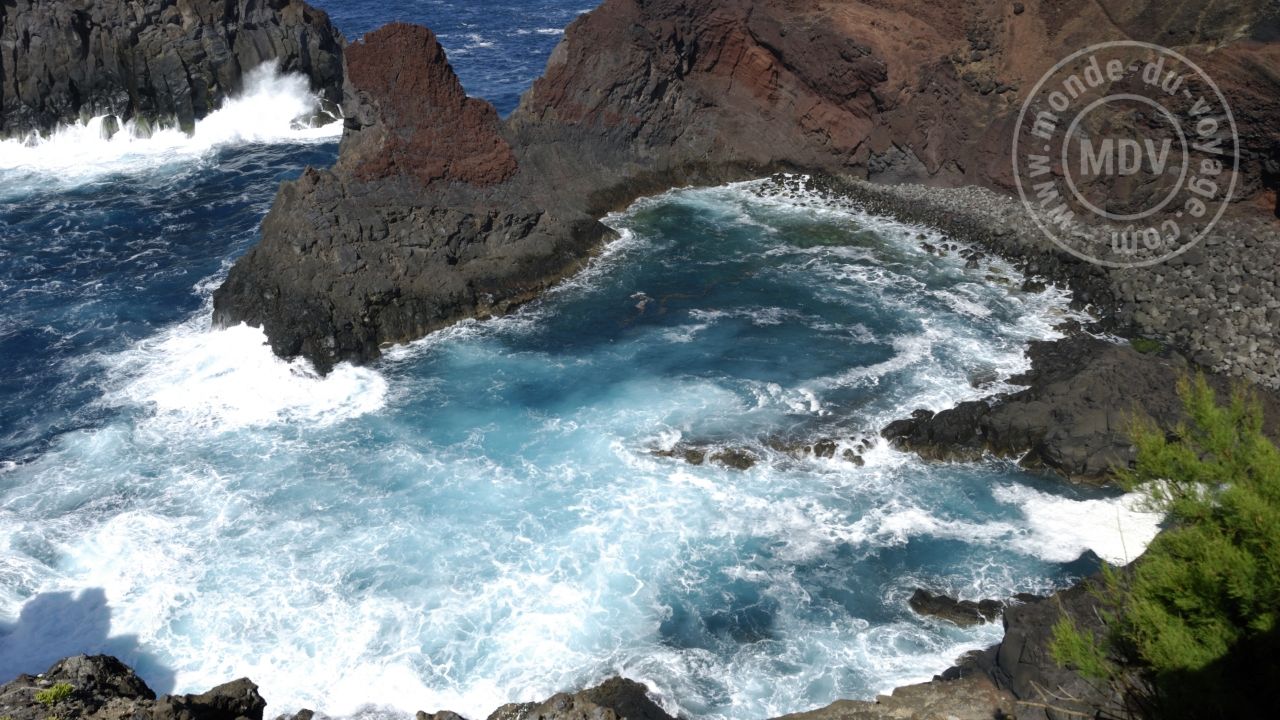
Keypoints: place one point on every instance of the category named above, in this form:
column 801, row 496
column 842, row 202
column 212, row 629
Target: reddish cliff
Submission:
column 402, row 80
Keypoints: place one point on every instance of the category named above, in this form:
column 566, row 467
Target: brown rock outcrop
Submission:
column 400, row 75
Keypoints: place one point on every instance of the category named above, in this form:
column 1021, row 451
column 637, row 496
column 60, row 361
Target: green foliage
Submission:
column 1210, row 584
column 54, row 694
column 1075, row 648
column 1213, row 579
column 1147, row 346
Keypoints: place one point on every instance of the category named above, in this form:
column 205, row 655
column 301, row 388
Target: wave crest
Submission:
column 273, row 108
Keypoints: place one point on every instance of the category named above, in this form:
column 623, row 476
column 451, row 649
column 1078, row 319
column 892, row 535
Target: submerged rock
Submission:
column 152, row 60
column 741, row 458
column 735, row 458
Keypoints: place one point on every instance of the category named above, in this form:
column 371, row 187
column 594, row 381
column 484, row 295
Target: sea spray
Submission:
column 272, row 108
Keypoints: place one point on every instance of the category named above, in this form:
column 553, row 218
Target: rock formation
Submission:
column 62, row 61
column 960, row 612
column 103, row 688
column 1075, row 417
column 405, row 234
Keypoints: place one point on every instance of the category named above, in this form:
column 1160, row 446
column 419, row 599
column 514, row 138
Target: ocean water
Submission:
column 493, row 513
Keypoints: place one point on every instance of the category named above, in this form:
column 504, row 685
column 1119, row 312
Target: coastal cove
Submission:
column 698, row 380
column 488, row 450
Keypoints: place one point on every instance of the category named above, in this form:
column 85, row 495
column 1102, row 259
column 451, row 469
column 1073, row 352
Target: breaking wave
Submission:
column 273, row 108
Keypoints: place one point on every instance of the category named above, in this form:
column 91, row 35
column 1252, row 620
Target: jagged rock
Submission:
column 615, row 699
column 236, row 700
column 103, row 688
column 156, row 60
column 964, row 613
column 1076, row 416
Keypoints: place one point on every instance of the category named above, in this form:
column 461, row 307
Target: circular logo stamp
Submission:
column 1126, row 154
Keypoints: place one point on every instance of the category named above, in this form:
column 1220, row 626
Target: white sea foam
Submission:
column 193, row 378
column 1059, row 529
column 272, row 108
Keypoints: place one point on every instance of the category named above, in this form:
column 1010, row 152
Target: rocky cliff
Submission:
column 62, row 61
column 437, row 210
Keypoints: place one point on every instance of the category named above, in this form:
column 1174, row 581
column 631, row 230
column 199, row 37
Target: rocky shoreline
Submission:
column 1015, row 679
column 102, row 688
column 1085, row 390
column 439, row 210
column 1219, row 303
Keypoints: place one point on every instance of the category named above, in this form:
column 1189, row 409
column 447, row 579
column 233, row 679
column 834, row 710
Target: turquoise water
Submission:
column 486, row 515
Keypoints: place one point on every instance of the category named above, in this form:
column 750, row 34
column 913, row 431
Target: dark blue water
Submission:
column 493, row 513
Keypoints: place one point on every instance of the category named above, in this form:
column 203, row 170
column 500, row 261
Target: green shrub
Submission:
column 1199, row 613
column 54, row 694
column 1147, row 346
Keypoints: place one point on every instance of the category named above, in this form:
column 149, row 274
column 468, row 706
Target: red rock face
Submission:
column 918, row 90
column 427, row 126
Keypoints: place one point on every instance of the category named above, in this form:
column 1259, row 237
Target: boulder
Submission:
column 615, row 699
column 964, row 613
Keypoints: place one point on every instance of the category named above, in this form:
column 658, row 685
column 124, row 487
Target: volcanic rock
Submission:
column 964, row 613
column 616, row 699
column 161, row 61
column 423, row 222
column 100, row 687
column 1076, row 416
